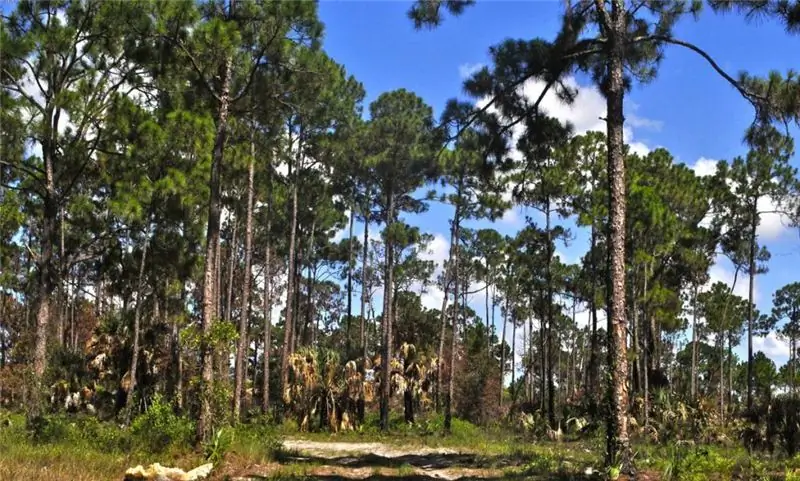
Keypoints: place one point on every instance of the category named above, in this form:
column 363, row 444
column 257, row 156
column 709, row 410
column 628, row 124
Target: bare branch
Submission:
column 755, row 100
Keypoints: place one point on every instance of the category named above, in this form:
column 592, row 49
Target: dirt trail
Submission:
column 358, row 461
column 324, row 449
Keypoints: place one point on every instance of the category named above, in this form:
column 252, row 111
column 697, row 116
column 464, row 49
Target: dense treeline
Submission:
column 176, row 177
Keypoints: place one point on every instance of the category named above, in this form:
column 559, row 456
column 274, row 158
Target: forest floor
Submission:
column 313, row 459
column 77, row 449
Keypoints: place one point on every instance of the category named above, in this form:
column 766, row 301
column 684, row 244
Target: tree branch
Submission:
column 755, row 100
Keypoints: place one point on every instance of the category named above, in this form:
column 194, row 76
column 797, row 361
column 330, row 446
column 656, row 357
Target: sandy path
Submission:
column 326, row 449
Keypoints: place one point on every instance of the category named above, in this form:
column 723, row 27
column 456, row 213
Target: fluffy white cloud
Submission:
column 585, row 114
column 724, row 274
column 467, row 69
column 773, row 224
column 772, row 346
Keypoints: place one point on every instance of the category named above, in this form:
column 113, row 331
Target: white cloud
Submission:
column 466, row 70
column 772, row 346
column 773, row 225
column 344, row 231
column 720, row 273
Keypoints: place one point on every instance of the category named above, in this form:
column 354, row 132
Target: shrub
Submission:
column 783, row 423
column 159, row 428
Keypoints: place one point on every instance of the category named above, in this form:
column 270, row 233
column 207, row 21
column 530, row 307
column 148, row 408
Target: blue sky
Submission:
column 688, row 109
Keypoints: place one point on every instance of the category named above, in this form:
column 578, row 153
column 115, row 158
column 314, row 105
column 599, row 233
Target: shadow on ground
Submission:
column 418, row 477
column 423, row 461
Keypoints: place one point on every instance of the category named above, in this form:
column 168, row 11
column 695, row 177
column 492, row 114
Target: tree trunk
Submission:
column 228, row 315
column 137, row 314
column 365, row 279
column 722, row 374
column 594, row 352
column 694, row 344
column 244, row 315
column 267, row 305
column 290, row 279
column 618, row 445
column 212, row 238
column 364, row 294
column 503, row 352
column 454, row 248
column 750, row 299
column 443, row 316
column 513, row 350
column 488, row 322
column 46, row 279
column 350, row 267
column 551, row 407
column 311, row 279
column 387, row 315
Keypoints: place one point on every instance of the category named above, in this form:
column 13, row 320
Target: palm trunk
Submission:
column 137, row 314
column 618, row 445
column 212, row 238
column 244, row 316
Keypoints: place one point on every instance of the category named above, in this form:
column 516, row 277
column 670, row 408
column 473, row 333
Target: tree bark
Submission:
column 212, row 238
column 244, row 315
column 694, row 344
column 267, row 306
column 618, row 445
column 503, row 352
column 751, row 295
column 387, row 315
column 594, row 352
column 137, row 314
column 448, row 401
column 350, row 266
column 443, row 315
column 365, row 281
column 551, row 409
column 289, row 321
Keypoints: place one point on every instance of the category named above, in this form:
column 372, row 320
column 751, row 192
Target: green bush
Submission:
column 159, row 428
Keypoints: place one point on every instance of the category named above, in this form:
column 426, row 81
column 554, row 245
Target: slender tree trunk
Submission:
column 350, row 267
column 448, row 402
column 244, row 316
column 722, row 374
column 289, row 322
column 551, row 407
column 267, row 305
column 137, row 314
column 232, row 254
column 46, row 279
column 387, row 314
column 212, row 238
column 751, row 295
column 364, row 294
column 488, row 322
column 443, row 315
column 503, row 352
column 513, row 350
column 618, row 445
column 694, row 344
column 594, row 352
column 309, row 340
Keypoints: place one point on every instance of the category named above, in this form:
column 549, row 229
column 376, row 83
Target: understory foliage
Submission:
column 206, row 231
